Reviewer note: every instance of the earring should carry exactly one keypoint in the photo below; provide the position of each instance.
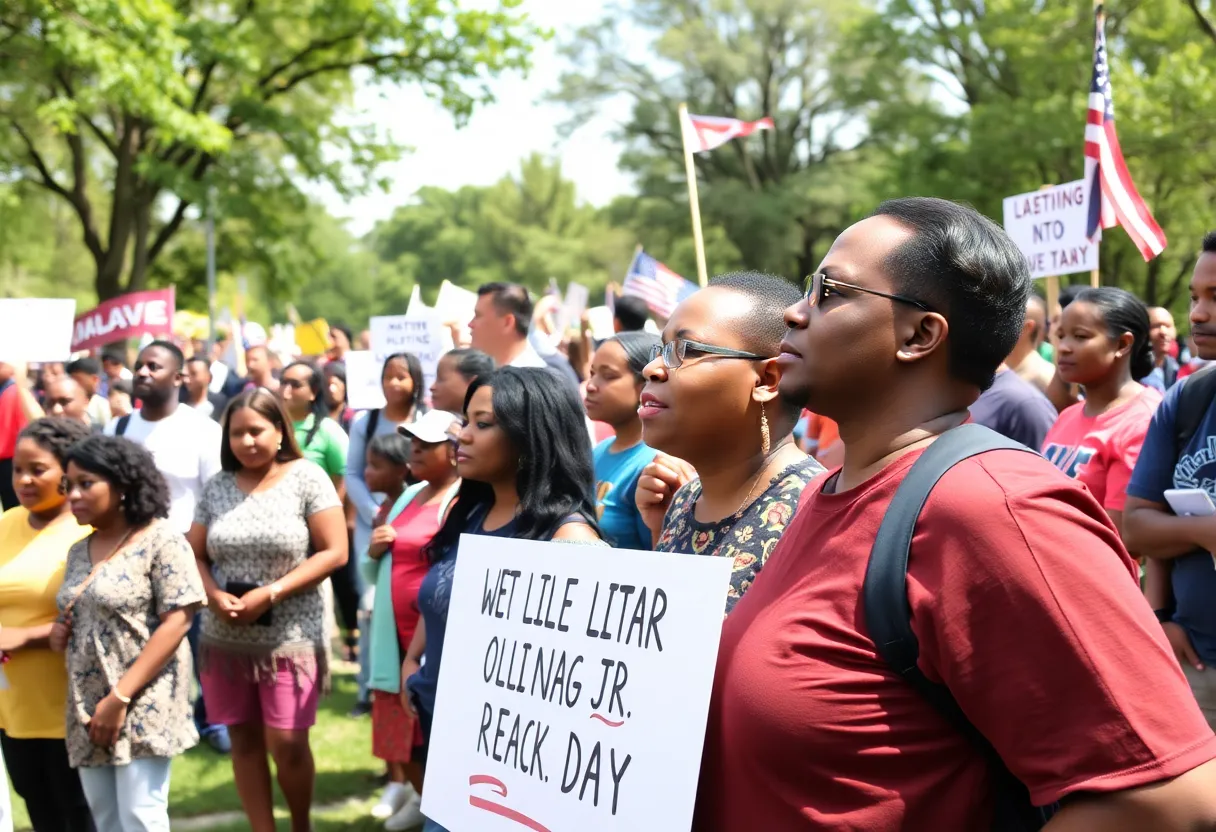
(63, 486)
(765, 438)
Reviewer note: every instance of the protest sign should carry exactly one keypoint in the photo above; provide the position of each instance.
(454, 304)
(312, 337)
(36, 329)
(419, 332)
(1050, 226)
(573, 307)
(363, 391)
(574, 688)
(124, 317)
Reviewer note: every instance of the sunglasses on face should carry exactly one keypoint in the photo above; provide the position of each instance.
(674, 352)
(819, 286)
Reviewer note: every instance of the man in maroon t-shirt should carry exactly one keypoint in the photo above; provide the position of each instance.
(1023, 599)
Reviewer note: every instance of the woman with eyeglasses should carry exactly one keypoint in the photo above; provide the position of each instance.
(710, 402)
(614, 389)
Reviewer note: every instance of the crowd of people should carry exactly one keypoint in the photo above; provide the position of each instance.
(182, 544)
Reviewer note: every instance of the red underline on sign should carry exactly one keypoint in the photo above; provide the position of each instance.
(500, 788)
(607, 721)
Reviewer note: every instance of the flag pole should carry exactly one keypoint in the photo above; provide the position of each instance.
(694, 204)
(1100, 14)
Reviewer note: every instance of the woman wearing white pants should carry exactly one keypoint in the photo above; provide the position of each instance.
(129, 593)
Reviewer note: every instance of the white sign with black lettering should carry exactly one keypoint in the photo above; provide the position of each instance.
(574, 688)
(1050, 227)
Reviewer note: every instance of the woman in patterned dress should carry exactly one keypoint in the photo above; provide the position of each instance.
(710, 404)
(267, 531)
(130, 591)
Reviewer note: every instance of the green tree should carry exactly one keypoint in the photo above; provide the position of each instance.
(524, 229)
(773, 201)
(1000, 104)
(130, 110)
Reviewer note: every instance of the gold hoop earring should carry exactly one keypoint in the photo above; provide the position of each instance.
(765, 437)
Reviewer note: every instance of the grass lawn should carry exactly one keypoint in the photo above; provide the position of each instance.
(202, 780)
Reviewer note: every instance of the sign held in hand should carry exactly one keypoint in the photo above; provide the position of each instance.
(1049, 226)
(574, 688)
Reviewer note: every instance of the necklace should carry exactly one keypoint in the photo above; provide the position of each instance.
(757, 479)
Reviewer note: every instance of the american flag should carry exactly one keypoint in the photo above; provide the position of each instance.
(1113, 198)
(659, 286)
(702, 133)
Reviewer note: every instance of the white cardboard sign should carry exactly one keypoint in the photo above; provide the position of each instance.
(363, 389)
(1049, 226)
(574, 688)
(420, 332)
(36, 329)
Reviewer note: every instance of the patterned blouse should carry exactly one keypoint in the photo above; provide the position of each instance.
(111, 624)
(748, 537)
(257, 539)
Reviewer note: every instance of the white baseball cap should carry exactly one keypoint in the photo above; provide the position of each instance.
(433, 427)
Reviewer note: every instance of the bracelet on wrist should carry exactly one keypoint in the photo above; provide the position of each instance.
(117, 694)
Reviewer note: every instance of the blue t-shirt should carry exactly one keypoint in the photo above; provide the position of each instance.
(1015, 409)
(616, 482)
(1194, 575)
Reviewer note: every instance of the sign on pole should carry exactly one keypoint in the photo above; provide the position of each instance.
(574, 688)
(36, 329)
(419, 332)
(1049, 226)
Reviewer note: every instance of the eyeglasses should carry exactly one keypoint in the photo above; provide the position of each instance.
(818, 285)
(674, 352)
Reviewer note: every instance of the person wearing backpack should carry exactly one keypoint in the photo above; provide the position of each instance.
(404, 389)
(950, 634)
(1178, 453)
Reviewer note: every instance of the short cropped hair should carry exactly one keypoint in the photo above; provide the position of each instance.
(172, 349)
(632, 312)
(964, 266)
(88, 366)
(1209, 243)
(770, 295)
(510, 299)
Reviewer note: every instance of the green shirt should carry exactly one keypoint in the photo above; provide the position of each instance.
(328, 445)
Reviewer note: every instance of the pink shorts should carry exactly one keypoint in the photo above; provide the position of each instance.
(288, 701)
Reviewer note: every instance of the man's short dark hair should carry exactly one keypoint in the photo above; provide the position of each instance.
(510, 299)
(1209, 243)
(631, 312)
(172, 349)
(964, 266)
(198, 359)
(113, 358)
(88, 366)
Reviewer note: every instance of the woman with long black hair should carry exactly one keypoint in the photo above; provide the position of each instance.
(403, 386)
(526, 472)
(322, 440)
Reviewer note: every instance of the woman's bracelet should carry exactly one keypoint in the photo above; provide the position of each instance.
(117, 694)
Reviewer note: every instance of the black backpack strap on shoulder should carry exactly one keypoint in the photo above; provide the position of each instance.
(888, 615)
(123, 422)
(373, 422)
(1198, 391)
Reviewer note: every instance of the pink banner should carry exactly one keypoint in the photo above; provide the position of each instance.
(127, 316)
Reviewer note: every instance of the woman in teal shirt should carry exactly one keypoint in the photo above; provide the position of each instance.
(321, 439)
(614, 389)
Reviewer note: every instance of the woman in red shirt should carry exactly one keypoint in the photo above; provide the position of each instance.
(1104, 347)
(405, 526)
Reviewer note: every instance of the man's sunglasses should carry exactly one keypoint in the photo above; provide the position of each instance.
(819, 285)
(674, 352)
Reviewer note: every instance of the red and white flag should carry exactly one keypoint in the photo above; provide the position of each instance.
(1113, 198)
(702, 133)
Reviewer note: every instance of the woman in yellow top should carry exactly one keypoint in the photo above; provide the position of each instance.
(34, 541)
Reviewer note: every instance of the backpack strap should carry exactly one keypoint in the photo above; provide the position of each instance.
(888, 615)
(1198, 391)
(369, 427)
(121, 428)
